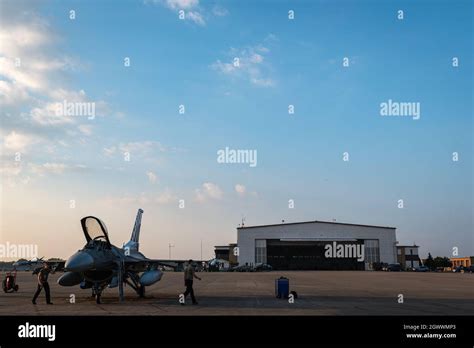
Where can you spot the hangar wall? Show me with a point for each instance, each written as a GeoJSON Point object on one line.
{"type": "Point", "coordinates": [315, 230]}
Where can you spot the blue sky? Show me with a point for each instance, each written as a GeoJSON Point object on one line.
{"type": "Point", "coordinates": [189, 62]}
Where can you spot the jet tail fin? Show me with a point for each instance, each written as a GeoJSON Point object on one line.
{"type": "Point", "coordinates": [133, 243]}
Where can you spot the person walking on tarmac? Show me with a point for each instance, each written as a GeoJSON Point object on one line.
{"type": "Point", "coordinates": [189, 274]}
{"type": "Point", "coordinates": [43, 283]}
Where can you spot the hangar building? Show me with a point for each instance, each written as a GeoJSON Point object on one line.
{"type": "Point", "coordinates": [302, 245]}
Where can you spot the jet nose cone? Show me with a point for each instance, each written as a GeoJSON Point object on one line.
{"type": "Point", "coordinates": [79, 262]}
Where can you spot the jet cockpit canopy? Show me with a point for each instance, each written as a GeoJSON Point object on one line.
{"type": "Point", "coordinates": [94, 229]}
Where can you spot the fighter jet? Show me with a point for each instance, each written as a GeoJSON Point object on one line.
{"type": "Point", "coordinates": [35, 263]}
{"type": "Point", "coordinates": [100, 264]}
{"type": "Point", "coordinates": [26, 264]}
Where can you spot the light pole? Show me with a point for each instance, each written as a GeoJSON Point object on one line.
{"type": "Point", "coordinates": [169, 249]}
{"type": "Point", "coordinates": [201, 250]}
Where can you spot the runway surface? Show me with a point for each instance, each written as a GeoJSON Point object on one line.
{"type": "Point", "coordinates": [319, 293]}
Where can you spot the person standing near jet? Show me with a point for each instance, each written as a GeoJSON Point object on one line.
{"type": "Point", "coordinates": [43, 283]}
{"type": "Point", "coordinates": [189, 274]}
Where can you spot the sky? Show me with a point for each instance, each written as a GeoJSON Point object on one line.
{"type": "Point", "coordinates": [234, 68]}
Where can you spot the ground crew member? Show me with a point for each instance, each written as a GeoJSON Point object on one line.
{"type": "Point", "coordinates": [189, 274]}
{"type": "Point", "coordinates": [43, 283]}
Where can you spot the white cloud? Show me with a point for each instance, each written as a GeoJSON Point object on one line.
{"type": "Point", "coordinates": [10, 169]}
{"type": "Point", "coordinates": [196, 17]}
{"type": "Point", "coordinates": [12, 93]}
{"type": "Point", "coordinates": [165, 197]}
{"type": "Point", "coordinates": [17, 38]}
{"type": "Point", "coordinates": [263, 82]}
{"type": "Point", "coordinates": [225, 68]}
{"type": "Point", "coordinates": [12, 174]}
{"type": "Point", "coordinates": [240, 189]}
{"type": "Point", "coordinates": [193, 11]}
{"type": "Point", "coordinates": [151, 177]}
{"type": "Point", "coordinates": [25, 56]}
{"type": "Point", "coordinates": [142, 147]}
{"type": "Point", "coordinates": [109, 151]}
{"type": "Point", "coordinates": [256, 58]}
{"type": "Point", "coordinates": [147, 148]}
{"type": "Point", "coordinates": [22, 76]}
{"type": "Point", "coordinates": [53, 168]}
{"type": "Point", "coordinates": [50, 114]}
{"type": "Point", "coordinates": [249, 64]}
{"type": "Point", "coordinates": [182, 4]}
{"type": "Point", "coordinates": [60, 94]}
{"type": "Point", "coordinates": [46, 115]}
{"type": "Point", "coordinates": [143, 198]}
{"type": "Point", "coordinates": [85, 129]}
{"type": "Point", "coordinates": [219, 11]}
{"type": "Point", "coordinates": [207, 191]}
{"type": "Point", "coordinates": [33, 71]}
{"type": "Point", "coordinates": [18, 142]}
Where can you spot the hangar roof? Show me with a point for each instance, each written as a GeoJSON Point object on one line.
{"type": "Point", "coordinates": [312, 222]}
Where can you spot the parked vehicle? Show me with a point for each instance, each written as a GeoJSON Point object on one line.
{"type": "Point", "coordinates": [242, 268]}
{"type": "Point", "coordinates": [378, 266]}
{"type": "Point", "coordinates": [218, 265]}
{"type": "Point", "coordinates": [421, 269]}
{"type": "Point", "coordinates": [461, 269]}
{"type": "Point", "coordinates": [263, 267]}
{"type": "Point", "coordinates": [394, 267]}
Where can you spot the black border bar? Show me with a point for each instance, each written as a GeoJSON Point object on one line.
{"type": "Point", "coordinates": [221, 330]}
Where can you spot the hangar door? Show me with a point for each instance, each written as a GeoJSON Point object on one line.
{"type": "Point", "coordinates": [307, 255]}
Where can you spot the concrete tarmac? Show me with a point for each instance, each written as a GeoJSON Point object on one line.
{"type": "Point", "coordinates": [319, 293]}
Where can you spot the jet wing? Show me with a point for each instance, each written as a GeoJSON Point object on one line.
{"type": "Point", "coordinates": [139, 263]}
{"type": "Point", "coordinates": [56, 266]}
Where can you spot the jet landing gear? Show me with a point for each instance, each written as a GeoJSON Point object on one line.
{"type": "Point", "coordinates": [135, 284]}
{"type": "Point", "coordinates": [97, 293]}
{"type": "Point", "coordinates": [141, 291]}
